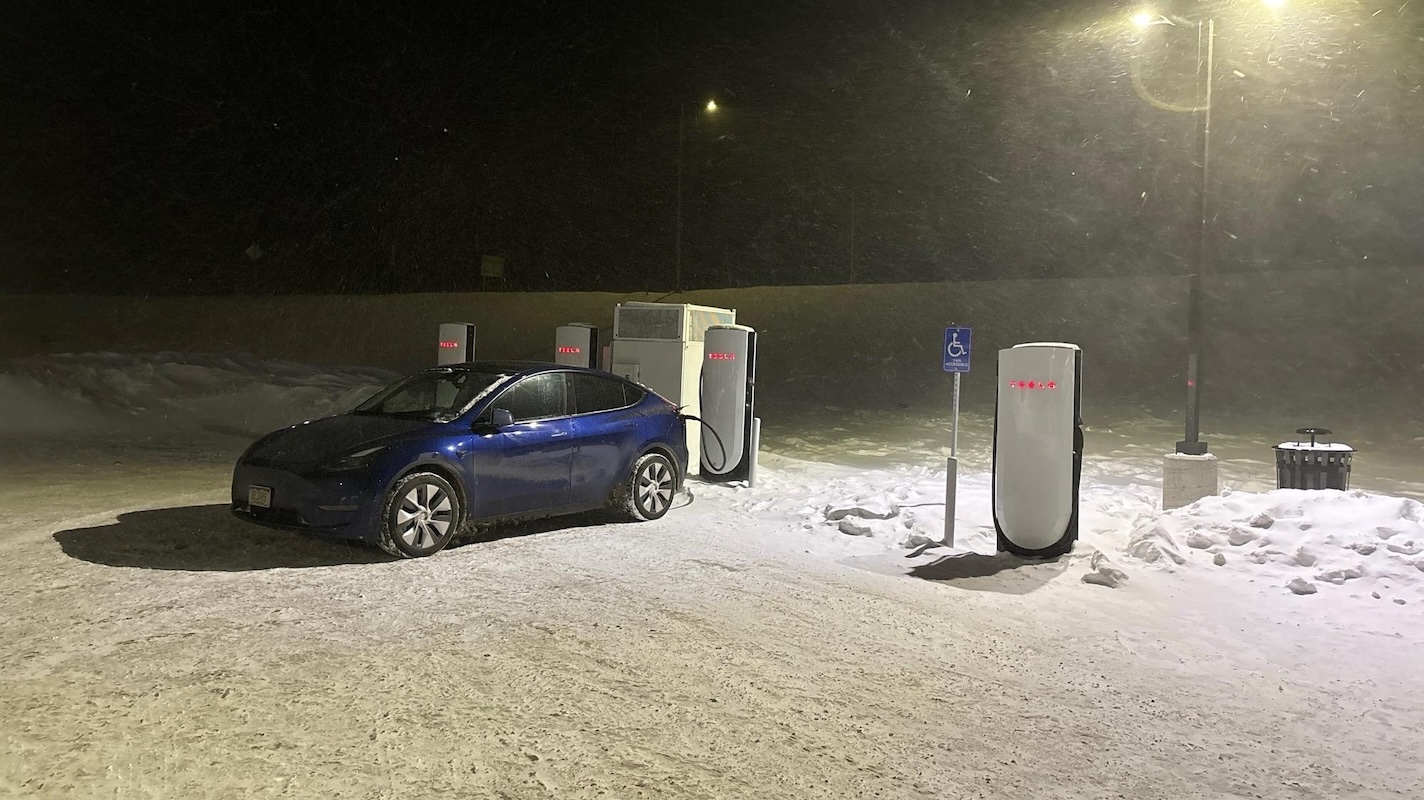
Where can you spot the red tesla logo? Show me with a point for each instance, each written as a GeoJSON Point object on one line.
{"type": "Point", "coordinates": [449, 345]}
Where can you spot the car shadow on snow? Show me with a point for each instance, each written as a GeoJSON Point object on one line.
{"type": "Point", "coordinates": [485, 534]}
{"type": "Point", "coordinates": [1001, 573]}
{"type": "Point", "coordinates": [206, 538]}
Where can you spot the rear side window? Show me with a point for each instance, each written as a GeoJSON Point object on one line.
{"type": "Point", "coordinates": [596, 393]}
{"type": "Point", "coordinates": [632, 394]}
{"type": "Point", "coordinates": [535, 397]}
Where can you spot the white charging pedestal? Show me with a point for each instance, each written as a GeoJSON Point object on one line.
{"type": "Point", "coordinates": [727, 397]}
{"type": "Point", "coordinates": [1038, 449]}
{"type": "Point", "coordinates": [576, 345]}
{"type": "Point", "coordinates": [457, 343]}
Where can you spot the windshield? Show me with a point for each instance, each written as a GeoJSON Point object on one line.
{"type": "Point", "coordinates": [435, 395]}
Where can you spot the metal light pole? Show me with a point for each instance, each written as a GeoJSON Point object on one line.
{"type": "Point", "coordinates": [710, 108]}
{"type": "Point", "coordinates": [852, 236]}
{"type": "Point", "coordinates": [1192, 444]}
{"type": "Point", "coordinates": [1190, 473]}
{"type": "Point", "coordinates": [677, 249]}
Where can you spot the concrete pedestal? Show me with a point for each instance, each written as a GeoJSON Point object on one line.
{"type": "Point", "coordinates": [1187, 479]}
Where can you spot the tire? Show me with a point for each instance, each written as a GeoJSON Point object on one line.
{"type": "Point", "coordinates": [421, 514]}
{"type": "Point", "coordinates": [648, 491]}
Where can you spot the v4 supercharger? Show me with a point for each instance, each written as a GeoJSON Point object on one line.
{"type": "Point", "coordinates": [1038, 449]}
{"type": "Point", "coordinates": [576, 345]}
{"type": "Point", "coordinates": [727, 399]}
{"type": "Point", "coordinates": [457, 343]}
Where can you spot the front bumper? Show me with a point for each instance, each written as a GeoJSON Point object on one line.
{"type": "Point", "coordinates": [337, 506]}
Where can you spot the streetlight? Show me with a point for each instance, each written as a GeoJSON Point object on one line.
{"type": "Point", "coordinates": [1191, 443]}
{"type": "Point", "coordinates": [709, 108]}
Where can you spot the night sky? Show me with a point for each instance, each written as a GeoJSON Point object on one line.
{"type": "Point", "coordinates": [297, 147]}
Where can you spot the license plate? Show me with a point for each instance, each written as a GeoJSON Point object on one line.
{"type": "Point", "coordinates": [259, 496]}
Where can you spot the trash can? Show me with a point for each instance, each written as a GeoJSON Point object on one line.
{"type": "Point", "coordinates": [1323, 465]}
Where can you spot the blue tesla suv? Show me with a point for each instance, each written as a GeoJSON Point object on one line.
{"type": "Point", "coordinates": [468, 444]}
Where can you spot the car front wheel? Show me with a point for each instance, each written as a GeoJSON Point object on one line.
{"type": "Point", "coordinates": [421, 514]}
{"type": "Point", "coordinates": [648, 492]}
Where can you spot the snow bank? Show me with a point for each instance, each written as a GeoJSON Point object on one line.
{"type": "Point", "coordinates": [173, 392]}
{"type": "Point", "coordinates": [1343, 546]}
{"type": "Point", "coordinates": [1338, 544]}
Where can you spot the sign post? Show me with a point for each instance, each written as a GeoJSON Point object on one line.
{"type": "Point", "coordinates": [956, 361]}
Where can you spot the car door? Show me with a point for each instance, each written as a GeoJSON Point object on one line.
{"type": "Point", "coordinates": [524, 466]}
{"type": "Point", "coordinates": [606, 433]}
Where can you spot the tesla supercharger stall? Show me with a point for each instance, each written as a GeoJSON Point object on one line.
{"type": "Point", "coordinates": [1038, 449]}
{"type": "Point", "coordinates": [660, 345]}
{"type": "Point", "coordinates": [457, 343]}
{"type": "Point", "coordinates": [728, 399]}
{"type": "Point", "coordinates": [576, 345]}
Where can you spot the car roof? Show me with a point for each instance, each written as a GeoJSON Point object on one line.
{"type": "Point", "coordinates": [513, 367]}
{"type": "Point", "coordinates": [509, 366]}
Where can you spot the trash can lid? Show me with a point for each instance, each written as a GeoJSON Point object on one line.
{"type": "Point", "coordinates": [1333, 446]}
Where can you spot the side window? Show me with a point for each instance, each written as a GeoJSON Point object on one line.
{"type": "Point", "coordinates": [596, 393]}
{"type": "Point", "coordinates": [632, 394]}
{"type": "Point", "coordinates": [535, 397]}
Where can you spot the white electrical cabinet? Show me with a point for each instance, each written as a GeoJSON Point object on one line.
{"type": "Point", "coordinates": [660, 345]}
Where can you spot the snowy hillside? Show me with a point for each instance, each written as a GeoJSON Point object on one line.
{"type": "Point", "coordinates": [173, 393]}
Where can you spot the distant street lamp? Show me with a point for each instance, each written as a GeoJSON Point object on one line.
{"type": "Point", "coordinates": [709, 108]}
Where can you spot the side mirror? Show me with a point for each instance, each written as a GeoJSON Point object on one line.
{"type": "Point", "coordinates": [500, 418]}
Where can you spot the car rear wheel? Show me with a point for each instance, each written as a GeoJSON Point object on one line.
{"type": "Point", "coordinates": [647, 494]}
{"type": "Point", "coordinates": [421, 515]}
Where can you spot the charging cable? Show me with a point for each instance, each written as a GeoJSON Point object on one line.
{"type": "Point", "coordinates": [712, 431]}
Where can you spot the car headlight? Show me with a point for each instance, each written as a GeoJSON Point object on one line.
{"type": "Point", "coordinates": [355, 460]}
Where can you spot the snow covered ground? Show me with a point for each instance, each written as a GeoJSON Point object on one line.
{"type": "Point", "coordinates": [804, 638]}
